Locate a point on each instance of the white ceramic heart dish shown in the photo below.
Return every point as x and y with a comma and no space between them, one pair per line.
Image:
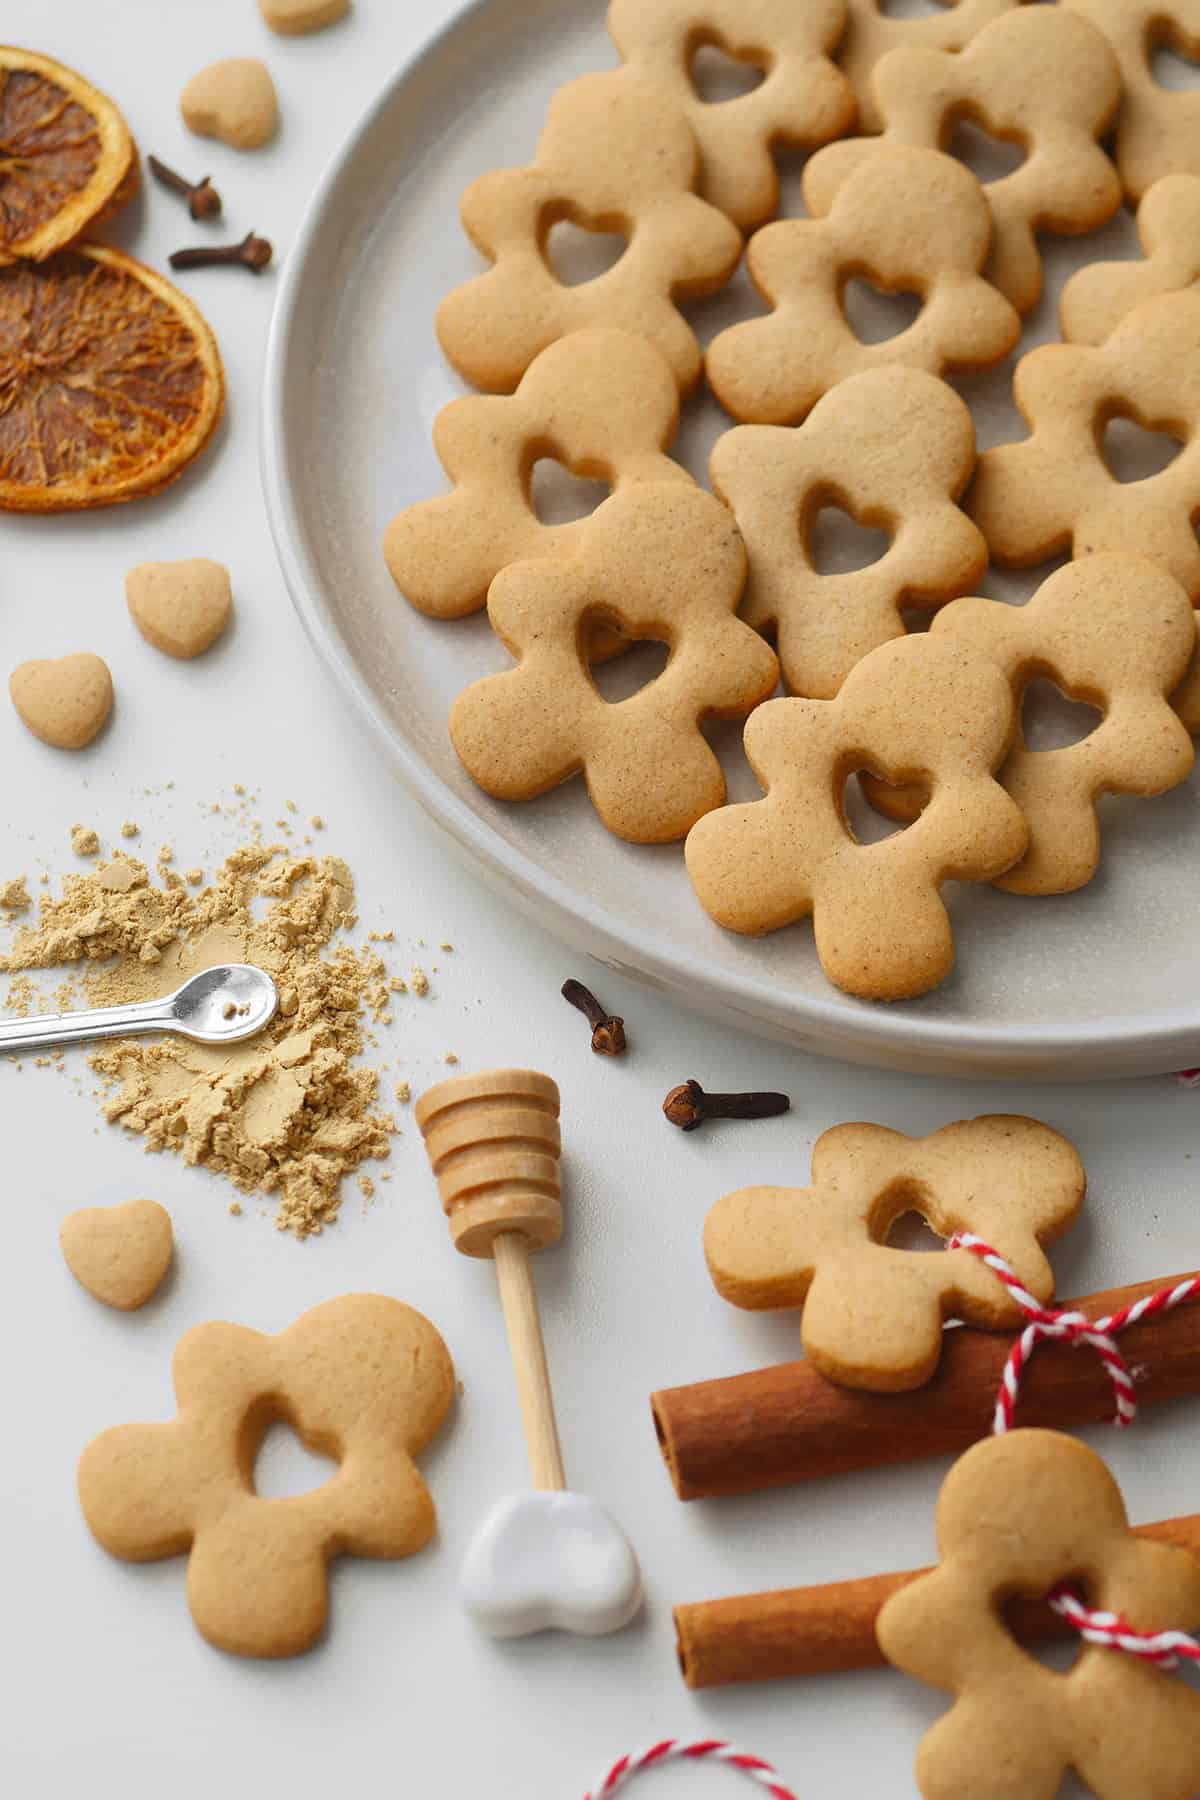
543,1561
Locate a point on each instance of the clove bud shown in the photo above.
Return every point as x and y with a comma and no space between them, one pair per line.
688,1106
203,200
252,253
608,1031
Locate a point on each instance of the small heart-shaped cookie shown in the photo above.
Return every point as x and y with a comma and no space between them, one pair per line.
65,703
294,16
119,1253
180,607
550,1561
234,101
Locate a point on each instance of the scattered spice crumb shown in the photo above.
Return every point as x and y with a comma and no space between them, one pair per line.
238,788
418,981
396,986
291,805
235,1207
317,822
14,896
366,1187
381,937
403,1092
166,854
195,877
84,842
445,946
130,829
287,1113
450,1059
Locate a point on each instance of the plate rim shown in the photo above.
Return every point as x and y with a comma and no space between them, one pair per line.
879,1035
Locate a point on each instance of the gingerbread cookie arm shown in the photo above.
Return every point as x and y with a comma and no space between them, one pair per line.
1097,298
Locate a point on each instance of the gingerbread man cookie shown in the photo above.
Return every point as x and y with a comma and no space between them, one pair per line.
871,31
615,156
1039,77
873,1315
665,563
1054,491
1027,1514
1158,131
363,1379
908,219
893,447
604,403
882,933
1097,297
1113,631
802,100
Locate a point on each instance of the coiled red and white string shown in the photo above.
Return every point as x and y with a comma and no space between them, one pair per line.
704,1750
1046,1323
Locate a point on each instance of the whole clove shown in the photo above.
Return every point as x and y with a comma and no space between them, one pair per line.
203,200
608,1031
252,253
688,1106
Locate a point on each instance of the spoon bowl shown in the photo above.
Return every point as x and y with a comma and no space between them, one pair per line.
225,1004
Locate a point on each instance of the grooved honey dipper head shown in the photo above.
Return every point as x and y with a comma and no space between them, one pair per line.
494,1145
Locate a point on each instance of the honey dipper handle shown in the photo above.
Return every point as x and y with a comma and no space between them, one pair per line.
518,1297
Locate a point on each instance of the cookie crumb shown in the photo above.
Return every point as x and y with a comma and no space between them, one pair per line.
418,981
366,1187
445,946
84,841
403,1092
195,877
130,829
14,897
235,1207
450,1059
317,822
166,854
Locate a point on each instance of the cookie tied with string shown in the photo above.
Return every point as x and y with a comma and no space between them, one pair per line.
1024,1515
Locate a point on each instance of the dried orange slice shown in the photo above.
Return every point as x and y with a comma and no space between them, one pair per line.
110,381
66,157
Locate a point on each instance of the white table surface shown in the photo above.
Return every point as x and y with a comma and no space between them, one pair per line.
109,1689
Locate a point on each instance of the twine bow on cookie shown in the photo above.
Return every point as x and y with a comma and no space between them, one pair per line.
1046,1323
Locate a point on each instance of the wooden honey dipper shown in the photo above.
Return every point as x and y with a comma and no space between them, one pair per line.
551,1557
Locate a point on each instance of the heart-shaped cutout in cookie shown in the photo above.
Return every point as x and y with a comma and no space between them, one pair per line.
234,101
180,607
545,1562
120,1254
65,703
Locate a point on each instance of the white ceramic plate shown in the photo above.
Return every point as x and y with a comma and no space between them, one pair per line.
1103,982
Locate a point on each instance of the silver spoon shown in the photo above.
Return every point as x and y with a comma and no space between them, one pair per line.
218,1006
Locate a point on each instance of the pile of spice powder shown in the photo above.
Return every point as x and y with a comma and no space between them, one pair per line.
286,1113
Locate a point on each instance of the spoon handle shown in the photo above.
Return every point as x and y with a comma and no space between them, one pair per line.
52,1031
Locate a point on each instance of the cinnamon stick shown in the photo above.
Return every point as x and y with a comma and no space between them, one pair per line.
829,1630
789,1424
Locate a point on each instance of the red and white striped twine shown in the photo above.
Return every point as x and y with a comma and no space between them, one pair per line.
704,1750
1107,1630
1048,1323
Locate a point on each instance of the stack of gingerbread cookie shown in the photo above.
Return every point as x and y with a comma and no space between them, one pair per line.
594,375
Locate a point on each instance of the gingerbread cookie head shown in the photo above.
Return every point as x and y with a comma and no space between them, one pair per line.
892,447
873,1315
1098,297
603,403
802,100
363,1379
664,563
1118,633
1158,130
908,219
871,31
1054,491
1021,1516
1038,77
881,929
616,155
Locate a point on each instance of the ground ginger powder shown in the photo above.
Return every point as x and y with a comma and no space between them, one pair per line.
286,1113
